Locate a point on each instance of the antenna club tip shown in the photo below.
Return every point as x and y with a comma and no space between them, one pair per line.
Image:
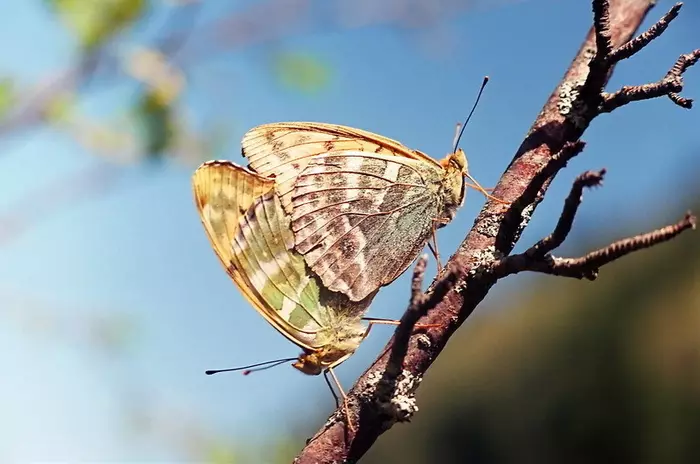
486,79
247,371
210,372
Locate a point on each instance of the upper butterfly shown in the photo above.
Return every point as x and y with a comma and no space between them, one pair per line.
362,206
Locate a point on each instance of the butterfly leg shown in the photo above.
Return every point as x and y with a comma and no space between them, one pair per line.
330,387
435,250
376,320
485,191
345,399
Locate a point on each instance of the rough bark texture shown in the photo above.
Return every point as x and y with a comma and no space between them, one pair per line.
578,98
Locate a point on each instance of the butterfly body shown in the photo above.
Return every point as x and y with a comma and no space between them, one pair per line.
363,206
252,237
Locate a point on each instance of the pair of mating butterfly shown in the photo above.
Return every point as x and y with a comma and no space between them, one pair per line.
323,217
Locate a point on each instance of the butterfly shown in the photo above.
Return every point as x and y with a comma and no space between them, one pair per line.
362,206
251,234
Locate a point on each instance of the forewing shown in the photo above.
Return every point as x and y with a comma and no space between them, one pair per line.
251,234
285,149
223,192
360,218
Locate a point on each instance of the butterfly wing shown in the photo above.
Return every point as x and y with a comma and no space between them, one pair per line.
285,149
361,218
251,234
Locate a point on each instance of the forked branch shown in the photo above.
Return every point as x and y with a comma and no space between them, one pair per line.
538,258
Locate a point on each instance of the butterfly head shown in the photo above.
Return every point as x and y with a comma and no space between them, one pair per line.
453,184
315,362
342,343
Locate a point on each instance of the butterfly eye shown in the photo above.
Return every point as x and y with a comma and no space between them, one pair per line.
456,164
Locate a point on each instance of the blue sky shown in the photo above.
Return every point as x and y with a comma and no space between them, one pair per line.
137,254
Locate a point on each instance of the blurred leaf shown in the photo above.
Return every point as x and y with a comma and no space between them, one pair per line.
7,95
60,107
152,68
301,72
114,334
221,454
94,21
156,121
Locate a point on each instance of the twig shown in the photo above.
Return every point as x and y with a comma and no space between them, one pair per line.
534,192
415,311
566,220
670,85
683,63
588,266
400,405
601,23
606,57
633,46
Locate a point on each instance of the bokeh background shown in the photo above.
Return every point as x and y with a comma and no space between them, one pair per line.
112,303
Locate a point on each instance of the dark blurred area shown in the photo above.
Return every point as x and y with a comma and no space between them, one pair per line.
570,371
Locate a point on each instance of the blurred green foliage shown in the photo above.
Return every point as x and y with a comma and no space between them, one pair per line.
301,72
94,21
60,107
7,95
155,120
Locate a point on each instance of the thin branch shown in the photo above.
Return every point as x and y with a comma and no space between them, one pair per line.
683,63
399,405
670,85
566,220
633,46
534,192
415,311
588,266
601,24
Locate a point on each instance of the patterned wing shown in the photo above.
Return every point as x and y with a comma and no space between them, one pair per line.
223,192
251,234
360,219
285,149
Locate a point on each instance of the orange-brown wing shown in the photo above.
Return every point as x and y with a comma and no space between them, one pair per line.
284,149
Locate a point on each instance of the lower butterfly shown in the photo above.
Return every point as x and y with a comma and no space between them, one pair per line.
252,236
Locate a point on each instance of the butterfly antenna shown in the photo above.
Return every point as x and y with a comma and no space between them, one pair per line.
253,367
460,128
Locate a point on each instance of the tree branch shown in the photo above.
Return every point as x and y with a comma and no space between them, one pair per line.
552,140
